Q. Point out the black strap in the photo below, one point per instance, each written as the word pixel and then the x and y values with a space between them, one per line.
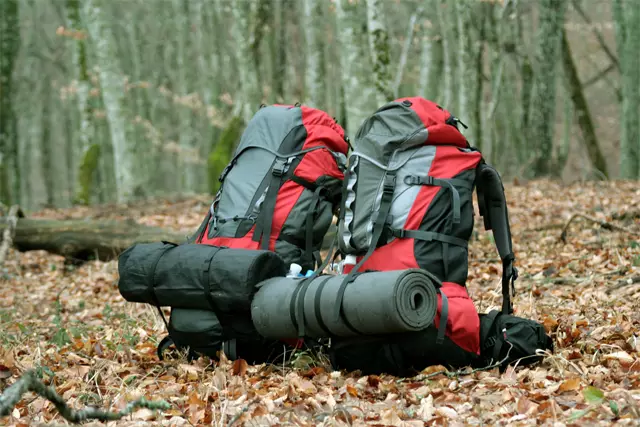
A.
pixel 444 315
pixel 428 236
pixel 156 301
pixel 449 183
pixel 309 232
pixel 379 223
pixel 206 281
pixel 317 305
pixel 265 219
pixel 163 346
pixel 230 349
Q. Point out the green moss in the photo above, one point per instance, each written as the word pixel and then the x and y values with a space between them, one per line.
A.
pixel 222 152
pixel 88 168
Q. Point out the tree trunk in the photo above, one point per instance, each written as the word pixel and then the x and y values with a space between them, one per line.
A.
pixel 279 50
pixel 404 55
pixel 113 94
pixel 9 152
pixel 314 80
pixel 445 18
pixel 543 104
pixel 379 48
pixel 627 29
pixel 250 96
pixel 581 108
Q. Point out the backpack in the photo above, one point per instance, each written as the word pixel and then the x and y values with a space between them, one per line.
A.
pixel 407 202
pixel 280 190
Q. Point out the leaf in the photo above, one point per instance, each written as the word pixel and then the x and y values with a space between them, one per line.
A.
pixel 5 372
pixel 240 367
pixel 579 414
pixel 569 385
pixel 352 390
pixel 614 408
pixel 593 395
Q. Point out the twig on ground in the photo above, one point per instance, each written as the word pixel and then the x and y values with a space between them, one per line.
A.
pixel 604 224
pixel 624 282
pixel 633 214
pixel 30 382
pixel 7 237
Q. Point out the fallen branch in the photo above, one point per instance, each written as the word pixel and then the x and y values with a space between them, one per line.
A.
pixel 30 382
pixel 624 282
pixel 604 224
pixel 7 236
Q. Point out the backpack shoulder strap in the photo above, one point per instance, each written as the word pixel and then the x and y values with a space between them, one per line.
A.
pixel 492 204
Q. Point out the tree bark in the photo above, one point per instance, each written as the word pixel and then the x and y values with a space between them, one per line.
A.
pixel 542 113
pixel 581 108
pixel 379 48
pixel 314 80
pixel 626 16
pixel 9 152
pixel 113 94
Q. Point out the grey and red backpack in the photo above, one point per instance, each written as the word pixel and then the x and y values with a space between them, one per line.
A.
pixel 404 199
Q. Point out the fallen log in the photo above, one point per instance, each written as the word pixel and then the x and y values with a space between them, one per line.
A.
pixel 82 240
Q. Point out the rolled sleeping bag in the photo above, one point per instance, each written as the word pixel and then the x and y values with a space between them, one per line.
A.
pixel 379 302
pixel 195 276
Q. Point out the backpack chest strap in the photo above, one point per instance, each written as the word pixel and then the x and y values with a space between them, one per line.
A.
pixel 451 184
pixel 427 236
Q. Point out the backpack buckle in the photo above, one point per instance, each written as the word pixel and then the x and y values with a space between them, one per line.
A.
pixel 389 183
pixel 278 168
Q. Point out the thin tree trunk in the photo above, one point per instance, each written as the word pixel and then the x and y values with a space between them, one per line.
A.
pixel 9 151
pixel 314 81
pixel 543 103
pixel 402 63
pixel 581 108
pixel 113 94
pixel 627 30
pixel 279 50
pixel 379 48
pixel 448 78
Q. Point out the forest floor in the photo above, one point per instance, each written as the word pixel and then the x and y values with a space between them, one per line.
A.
pixel 94 348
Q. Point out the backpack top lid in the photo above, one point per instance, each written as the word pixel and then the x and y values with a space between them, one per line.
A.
pixel 406 123
pixel 316 122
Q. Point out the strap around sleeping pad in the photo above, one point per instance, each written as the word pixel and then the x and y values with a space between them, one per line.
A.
pixel 379 224
pixel 444 315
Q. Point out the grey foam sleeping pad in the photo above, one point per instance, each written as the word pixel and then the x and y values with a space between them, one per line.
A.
pixel 195 276
pixel 383 302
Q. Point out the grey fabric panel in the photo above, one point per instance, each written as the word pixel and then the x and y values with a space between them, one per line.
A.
pixel 394 126
pixel 268 128
pixel 369 191
pixel 415 162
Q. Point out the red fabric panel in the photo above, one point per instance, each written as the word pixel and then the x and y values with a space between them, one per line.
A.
pixel 397 255
pixel 322 129
pixel 447 163
pixel 434 119
pixel 463 322
pixel 232 242
pixel 287 197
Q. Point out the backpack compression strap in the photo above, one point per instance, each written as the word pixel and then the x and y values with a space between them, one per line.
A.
pixel 493 208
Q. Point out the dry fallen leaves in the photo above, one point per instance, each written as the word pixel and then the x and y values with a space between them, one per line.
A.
pixel 94 348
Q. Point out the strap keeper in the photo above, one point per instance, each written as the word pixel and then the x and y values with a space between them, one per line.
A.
pixel 278 169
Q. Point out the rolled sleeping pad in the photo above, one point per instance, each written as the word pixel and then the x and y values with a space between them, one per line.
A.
pixel 195 276
pixel 379 302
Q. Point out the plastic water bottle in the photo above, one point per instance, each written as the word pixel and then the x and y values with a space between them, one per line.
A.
pixel 294 270
pixel 349 263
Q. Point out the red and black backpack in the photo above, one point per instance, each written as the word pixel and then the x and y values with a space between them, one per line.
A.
pixel 407 202
pixel 282 187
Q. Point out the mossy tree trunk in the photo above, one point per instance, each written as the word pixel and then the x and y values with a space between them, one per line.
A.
pixel 222 151
pixel 431 56
pixel 626 15
pixel 113 94
pixel 542 114
pixel 379 50
pixel 315 88
pixel 9 151
pixel 279 50
pixel 87 147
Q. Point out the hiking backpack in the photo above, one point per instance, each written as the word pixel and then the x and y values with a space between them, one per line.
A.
pixel 407 202
pixel 282 187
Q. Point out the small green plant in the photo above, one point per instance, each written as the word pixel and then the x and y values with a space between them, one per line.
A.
pixel 594 397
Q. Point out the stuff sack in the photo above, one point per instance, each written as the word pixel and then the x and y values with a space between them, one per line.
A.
pixel 508 339
pixel 195 276
pixel 407 202
pixel 280 190
pixel 200 332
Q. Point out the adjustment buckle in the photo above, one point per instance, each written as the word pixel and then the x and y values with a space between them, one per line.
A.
pixel 389 183
pixel 278 169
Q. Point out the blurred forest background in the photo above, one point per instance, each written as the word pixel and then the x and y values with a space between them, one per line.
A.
pixel 112 100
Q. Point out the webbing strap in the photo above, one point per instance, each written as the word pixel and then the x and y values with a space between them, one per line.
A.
pixel 309 232
pixel 206 282
pixel 444 315
pixel 449 183
pixel 379 223
pixel 428 236
pixel 265 219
